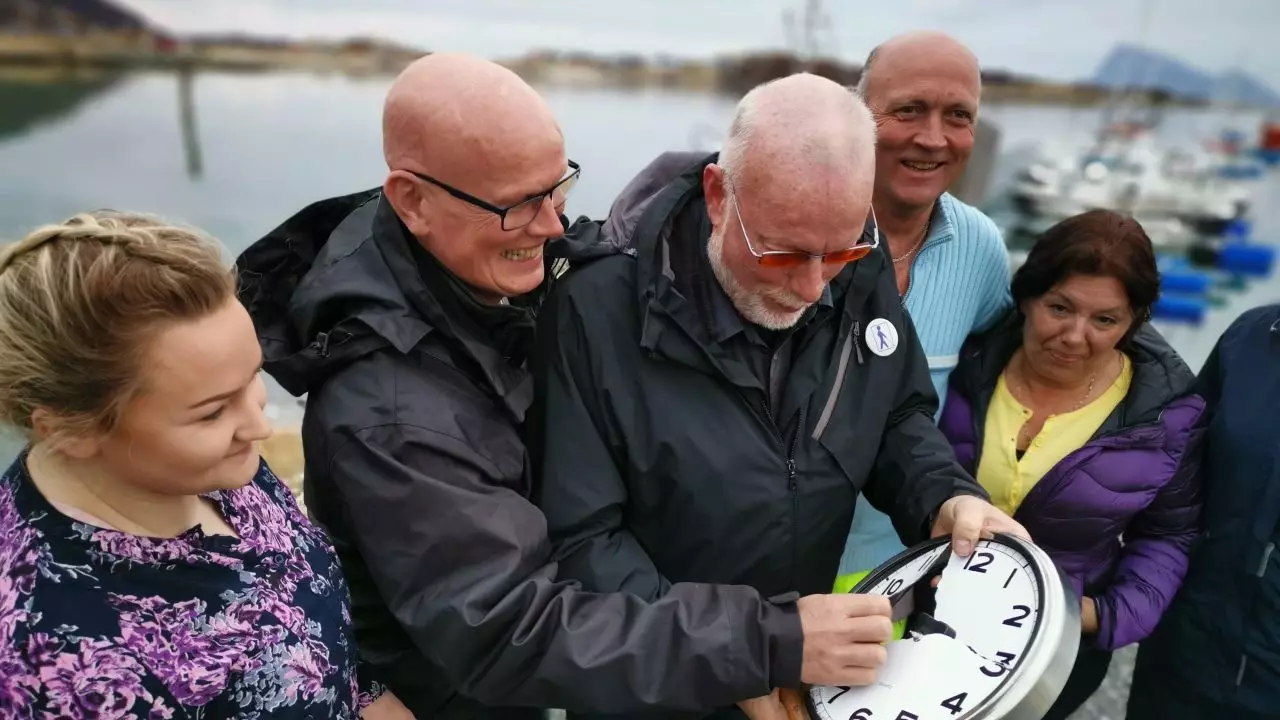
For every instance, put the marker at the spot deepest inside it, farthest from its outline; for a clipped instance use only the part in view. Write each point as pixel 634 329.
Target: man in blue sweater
pixel 923 89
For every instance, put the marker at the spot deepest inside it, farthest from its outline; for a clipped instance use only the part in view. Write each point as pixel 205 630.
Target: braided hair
pixel 80 302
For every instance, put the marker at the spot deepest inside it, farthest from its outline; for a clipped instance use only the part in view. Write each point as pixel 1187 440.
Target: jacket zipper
pixel 793 482
pixel 793 487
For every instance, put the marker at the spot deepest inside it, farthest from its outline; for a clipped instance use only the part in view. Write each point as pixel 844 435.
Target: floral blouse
pixel 97 623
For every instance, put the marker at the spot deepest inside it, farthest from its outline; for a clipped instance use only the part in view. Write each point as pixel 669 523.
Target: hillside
pixel 61 16
pixel 1133 66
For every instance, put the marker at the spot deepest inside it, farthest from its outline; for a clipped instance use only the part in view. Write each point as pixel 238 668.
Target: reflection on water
pixel 187 113
pixel 236 154
pixel 28 104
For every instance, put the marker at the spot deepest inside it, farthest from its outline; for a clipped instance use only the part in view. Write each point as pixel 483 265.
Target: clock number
pixel 1010 578
pixel 894 587
pixel 1016 620
pixel 1003 659
pixel 843 689
pixel 981 565
pixel 861 714
pixel 955 703
pixel 905 715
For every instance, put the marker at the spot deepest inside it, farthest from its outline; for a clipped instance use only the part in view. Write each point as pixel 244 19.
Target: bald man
pixel 405 315
pixel 709 405
pixel 949 260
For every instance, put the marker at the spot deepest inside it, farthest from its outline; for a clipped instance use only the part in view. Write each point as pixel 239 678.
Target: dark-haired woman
pixel 1078 418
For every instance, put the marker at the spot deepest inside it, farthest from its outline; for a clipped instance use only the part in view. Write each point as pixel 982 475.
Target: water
pixel 246 151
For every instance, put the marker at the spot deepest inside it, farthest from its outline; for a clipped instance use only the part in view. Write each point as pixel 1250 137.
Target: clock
pixel 996 638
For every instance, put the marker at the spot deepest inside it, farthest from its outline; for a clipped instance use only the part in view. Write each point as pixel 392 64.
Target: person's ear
pixel 408 197
pixel 65 434
pixel 714 189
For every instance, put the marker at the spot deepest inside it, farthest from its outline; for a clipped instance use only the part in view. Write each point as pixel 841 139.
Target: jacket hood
pixel 338 280
pixel 1159 373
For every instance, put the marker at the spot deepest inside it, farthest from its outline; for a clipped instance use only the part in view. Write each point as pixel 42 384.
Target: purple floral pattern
pixel 96 623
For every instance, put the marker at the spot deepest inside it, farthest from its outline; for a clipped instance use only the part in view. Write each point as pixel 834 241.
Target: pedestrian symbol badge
pixel 882 337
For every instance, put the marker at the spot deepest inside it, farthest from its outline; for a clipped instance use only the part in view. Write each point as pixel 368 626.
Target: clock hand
pixel 923 623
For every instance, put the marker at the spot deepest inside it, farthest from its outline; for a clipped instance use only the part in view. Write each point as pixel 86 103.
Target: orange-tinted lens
pixel 847 256
pixel 783 259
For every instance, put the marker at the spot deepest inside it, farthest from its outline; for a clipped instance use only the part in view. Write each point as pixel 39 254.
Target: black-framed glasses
pixel 792 258
pixel 522 213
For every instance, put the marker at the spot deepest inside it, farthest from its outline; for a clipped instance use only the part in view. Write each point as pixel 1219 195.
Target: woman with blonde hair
pixel 151 565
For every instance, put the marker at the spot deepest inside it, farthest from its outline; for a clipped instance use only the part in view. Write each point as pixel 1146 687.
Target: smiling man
pixel 949 259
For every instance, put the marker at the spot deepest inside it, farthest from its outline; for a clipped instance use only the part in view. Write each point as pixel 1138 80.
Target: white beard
pixel 752 305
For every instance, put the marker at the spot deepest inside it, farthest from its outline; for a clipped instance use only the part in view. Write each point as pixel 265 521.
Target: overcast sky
pixel 1063 39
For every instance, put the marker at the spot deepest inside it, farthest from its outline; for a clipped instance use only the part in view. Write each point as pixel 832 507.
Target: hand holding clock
pixel 968 518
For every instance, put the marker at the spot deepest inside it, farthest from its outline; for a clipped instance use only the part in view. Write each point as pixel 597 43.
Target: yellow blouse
pixel 1009 479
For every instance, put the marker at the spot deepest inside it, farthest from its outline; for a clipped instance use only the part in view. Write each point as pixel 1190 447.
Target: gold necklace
pixel 1023 439
pixel 923 234
pixel 1021 385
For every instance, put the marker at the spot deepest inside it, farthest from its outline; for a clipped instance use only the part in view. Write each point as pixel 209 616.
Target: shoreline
pixel 50 58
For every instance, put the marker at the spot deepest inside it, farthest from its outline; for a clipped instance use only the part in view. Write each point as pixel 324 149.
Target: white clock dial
pixel 956 684
pixel 992 600
pixel 965 640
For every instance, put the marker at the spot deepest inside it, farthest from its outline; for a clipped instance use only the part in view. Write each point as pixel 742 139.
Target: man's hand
pixel 843 638
pixel 767 707
pixel 968 518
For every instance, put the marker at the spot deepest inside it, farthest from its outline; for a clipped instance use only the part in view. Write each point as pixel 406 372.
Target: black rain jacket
pixel 663 459
pixel 416 466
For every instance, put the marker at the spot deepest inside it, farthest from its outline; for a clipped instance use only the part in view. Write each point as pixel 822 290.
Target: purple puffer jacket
pixel 1118 516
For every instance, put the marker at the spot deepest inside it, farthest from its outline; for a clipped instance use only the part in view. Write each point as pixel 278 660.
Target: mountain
pixel 1236 86
pixel 1133 66
pixel 62 16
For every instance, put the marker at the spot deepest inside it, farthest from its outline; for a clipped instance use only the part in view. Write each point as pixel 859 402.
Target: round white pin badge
pixel 881 337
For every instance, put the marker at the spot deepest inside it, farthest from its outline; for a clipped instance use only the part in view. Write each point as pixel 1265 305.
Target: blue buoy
pixel 1187 282
pixel 1238 230
pixel 1179 309
pixel 1244 259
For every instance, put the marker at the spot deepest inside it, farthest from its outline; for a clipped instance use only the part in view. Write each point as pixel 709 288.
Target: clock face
pixel 963 641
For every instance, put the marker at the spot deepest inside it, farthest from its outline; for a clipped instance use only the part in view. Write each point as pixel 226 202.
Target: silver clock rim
pixel 1049 661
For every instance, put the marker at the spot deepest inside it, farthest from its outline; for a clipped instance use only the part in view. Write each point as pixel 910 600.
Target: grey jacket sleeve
pixel 916 470
pixel 464 565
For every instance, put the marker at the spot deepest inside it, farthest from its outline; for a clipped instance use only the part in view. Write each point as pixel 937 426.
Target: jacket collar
pixel 493 340
pixel 684 327
pixel 339 281
pixel 942 226
pixel 1159 374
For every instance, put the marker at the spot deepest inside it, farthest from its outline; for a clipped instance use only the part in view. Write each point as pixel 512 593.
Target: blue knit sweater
pixel 959 285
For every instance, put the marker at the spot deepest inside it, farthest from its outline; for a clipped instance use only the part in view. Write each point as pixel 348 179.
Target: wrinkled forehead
pixel 819 206
pixel 942 75
pixel 509 168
